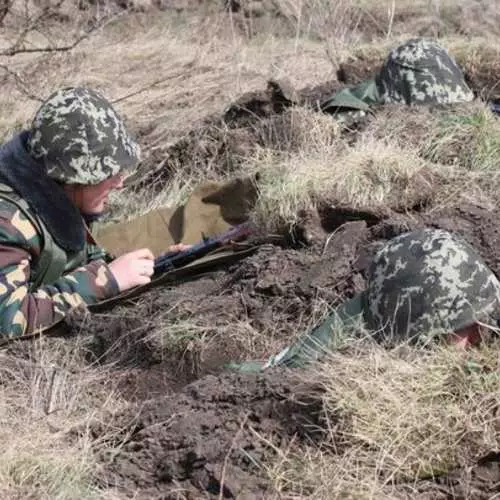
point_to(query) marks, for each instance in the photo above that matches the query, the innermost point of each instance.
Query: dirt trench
(194, 430)
(206, 432)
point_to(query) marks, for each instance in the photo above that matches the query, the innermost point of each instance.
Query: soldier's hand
(179, 247)
(132, 269)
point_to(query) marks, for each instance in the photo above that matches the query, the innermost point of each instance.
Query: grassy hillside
(390, 421)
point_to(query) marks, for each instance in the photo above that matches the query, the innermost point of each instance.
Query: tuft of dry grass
(47, 388)
(395, 417)
(460, 144)
(322, 167)
(469, 141)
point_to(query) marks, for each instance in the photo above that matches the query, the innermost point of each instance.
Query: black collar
(45, 197)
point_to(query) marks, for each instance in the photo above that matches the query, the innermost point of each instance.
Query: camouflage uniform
(49, 263)
(420, 285)
(418, 72)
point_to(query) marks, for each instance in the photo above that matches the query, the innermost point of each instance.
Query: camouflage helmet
(427, 281)
(80, 138)
(420, 284)
(421, 72)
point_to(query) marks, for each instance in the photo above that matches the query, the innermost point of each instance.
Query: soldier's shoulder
(14, 222)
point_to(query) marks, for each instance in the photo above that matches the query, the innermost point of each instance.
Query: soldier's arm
(95, 252)
(23, 312)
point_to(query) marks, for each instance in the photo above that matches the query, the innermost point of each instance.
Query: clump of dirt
(212, 439)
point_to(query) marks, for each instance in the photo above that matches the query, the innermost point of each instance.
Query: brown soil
(204, 442)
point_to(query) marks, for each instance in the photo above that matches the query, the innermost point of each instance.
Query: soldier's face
(466, 337)
(92, 199)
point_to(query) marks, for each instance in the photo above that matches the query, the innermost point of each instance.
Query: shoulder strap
(52, 261)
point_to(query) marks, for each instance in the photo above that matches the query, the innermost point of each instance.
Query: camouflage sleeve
(23, 312)
(95, 252)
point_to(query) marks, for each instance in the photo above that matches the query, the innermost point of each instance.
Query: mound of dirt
(212, 439)
(220, 143)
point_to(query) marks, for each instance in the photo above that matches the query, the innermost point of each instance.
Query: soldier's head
(84, 145)
(428, 282)
(421, 72)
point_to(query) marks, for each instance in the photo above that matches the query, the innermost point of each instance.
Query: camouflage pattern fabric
(420, 284)
(23, 313)
(80, 138)
(418, 72)
(421, 72)
(428, 281)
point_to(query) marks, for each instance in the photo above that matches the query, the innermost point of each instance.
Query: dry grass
(47, 388)
(367, 175)
(395, 417)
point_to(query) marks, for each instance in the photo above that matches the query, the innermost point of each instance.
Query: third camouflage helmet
(429, 280)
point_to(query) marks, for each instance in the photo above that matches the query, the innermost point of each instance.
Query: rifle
(174, 260)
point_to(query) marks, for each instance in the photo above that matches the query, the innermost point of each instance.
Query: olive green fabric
(213, 207)
(359, 97)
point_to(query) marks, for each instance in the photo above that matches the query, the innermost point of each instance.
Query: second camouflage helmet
(421, 72)
(420, 284)
(80, 138)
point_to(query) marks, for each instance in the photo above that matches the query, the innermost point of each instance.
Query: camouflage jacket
(48, 263)
(24, 311)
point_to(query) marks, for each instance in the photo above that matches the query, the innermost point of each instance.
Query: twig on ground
(17, 48)
(156, 82)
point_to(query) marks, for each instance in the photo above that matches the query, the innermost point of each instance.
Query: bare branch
(178, 74)
(33, 25)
